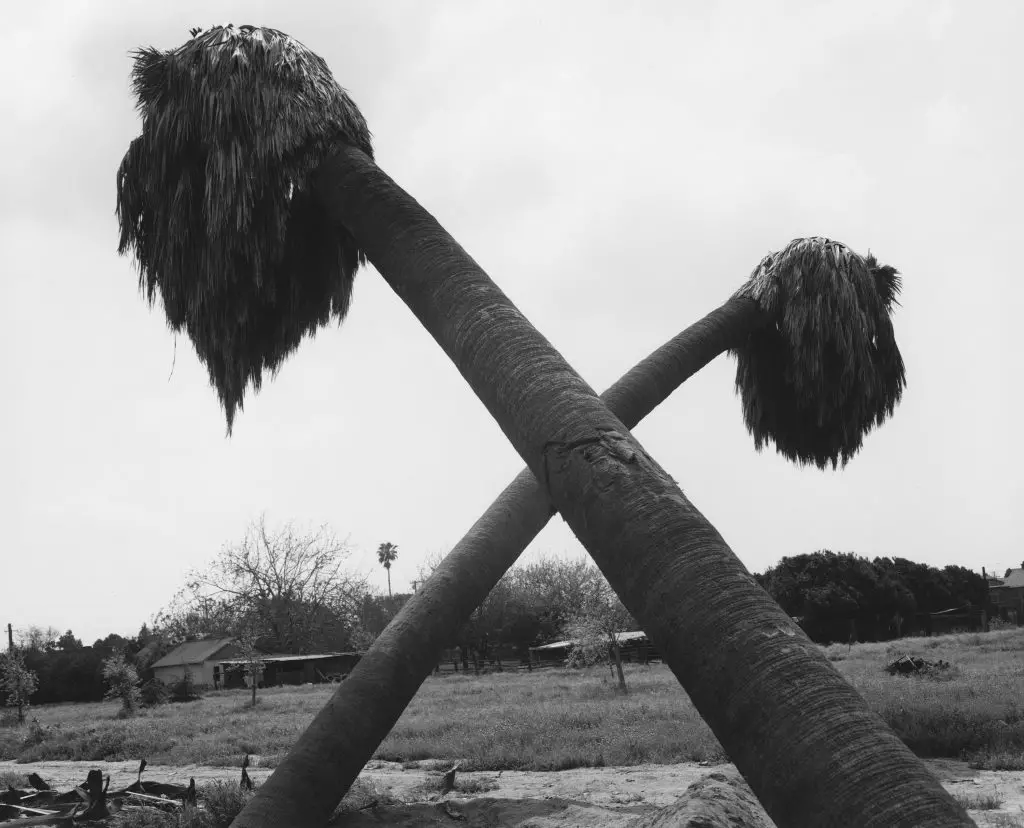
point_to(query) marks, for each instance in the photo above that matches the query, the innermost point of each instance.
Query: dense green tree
(67, 643)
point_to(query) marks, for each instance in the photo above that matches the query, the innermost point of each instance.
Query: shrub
(224, 801)
(184, 689)
(17, 682)
(154, 692)
(122, 682)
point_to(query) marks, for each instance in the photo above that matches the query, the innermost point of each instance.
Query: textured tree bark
(801, 736)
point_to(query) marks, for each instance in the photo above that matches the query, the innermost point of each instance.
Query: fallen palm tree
(251, 197)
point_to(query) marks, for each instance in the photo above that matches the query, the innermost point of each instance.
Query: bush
(184, 689)
(224, 801)
(154, 692)
(122, 682)
(17, 682)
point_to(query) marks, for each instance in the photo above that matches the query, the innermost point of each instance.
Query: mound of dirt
(719, 800)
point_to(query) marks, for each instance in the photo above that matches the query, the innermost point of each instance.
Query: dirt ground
(585, 797)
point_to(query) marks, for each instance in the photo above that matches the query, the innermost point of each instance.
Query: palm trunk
(373, 696)
(799, 733)
(389, 582)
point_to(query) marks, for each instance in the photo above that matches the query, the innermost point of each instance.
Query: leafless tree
(248, 636)
(293, 582)
(40, 639)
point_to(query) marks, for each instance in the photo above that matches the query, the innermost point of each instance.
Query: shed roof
(622, 636)
(193, 652)
(274, 659)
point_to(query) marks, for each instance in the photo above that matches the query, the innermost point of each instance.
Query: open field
(559, 719)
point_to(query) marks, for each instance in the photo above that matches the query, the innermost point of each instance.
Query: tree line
(837, 596)
(287, 591)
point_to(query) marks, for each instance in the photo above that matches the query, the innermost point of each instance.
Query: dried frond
(213, 197)
(826, 369)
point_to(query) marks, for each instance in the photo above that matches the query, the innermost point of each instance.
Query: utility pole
(10, 638)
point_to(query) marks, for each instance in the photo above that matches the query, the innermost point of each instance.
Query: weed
(362, 796)
(980, 802)
(998, 760)
(1005, 821)
(12, 779)
(475, 785)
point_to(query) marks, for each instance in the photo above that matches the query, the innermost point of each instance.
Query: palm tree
(386, 554)
(249, 200)
(757, 319)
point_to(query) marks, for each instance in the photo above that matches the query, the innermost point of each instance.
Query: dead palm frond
(825, 370)
(213, 197)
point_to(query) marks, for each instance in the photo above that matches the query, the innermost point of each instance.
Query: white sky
(618, 169)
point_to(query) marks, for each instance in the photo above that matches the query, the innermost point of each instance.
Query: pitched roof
(193, 652)
(1014, 580)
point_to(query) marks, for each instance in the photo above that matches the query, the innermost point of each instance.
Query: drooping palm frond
(826, 369)
(213, 197)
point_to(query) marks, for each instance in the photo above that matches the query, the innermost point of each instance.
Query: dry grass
(1004, 821)
(557, 719)
(974, 710)
(980, 802)
(14, 780)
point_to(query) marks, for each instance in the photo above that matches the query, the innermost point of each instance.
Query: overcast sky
(618, 169)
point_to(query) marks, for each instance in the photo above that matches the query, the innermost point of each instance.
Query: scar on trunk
(607, 454)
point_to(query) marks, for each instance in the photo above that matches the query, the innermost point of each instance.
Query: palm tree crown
(213, 197)
(386, 554)
(824, 369)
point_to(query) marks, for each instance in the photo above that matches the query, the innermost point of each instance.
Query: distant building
(278, 670)
(1006, 595)
(199, 658)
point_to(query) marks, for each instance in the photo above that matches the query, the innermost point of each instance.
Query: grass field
(557, 719)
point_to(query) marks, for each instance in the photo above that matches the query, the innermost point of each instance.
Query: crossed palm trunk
(368, 704)
(211, 205)
(802, 737)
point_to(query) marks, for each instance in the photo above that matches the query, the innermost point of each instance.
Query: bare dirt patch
(584, 797)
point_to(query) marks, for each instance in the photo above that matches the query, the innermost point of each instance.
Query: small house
(201, 659)
(278, 670)
(1007, 597)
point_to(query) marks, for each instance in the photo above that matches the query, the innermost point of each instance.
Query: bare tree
(292, 582)
(249, 634)
(39, 639)
(193, 613)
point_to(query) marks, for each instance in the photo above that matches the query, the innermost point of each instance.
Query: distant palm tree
(250, 199)
(386, 554)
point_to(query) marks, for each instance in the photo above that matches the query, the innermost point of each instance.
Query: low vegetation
(560, 718)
